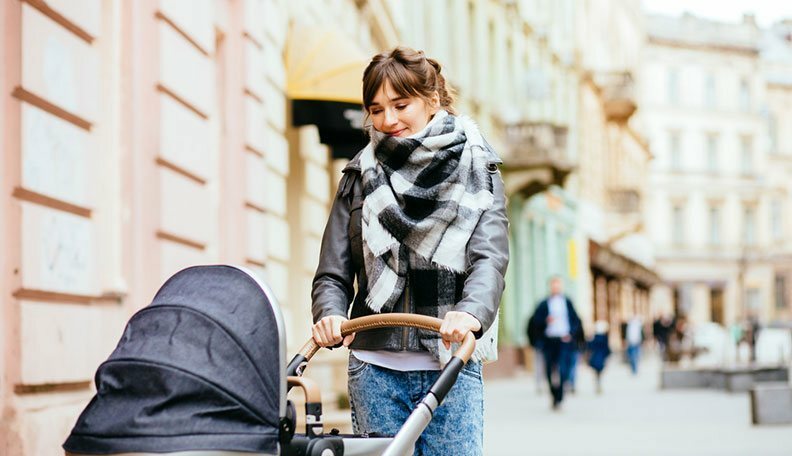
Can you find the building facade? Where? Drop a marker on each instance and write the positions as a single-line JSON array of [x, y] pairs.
[[614, 162], [142, 137], [776, 55], [139, 138], [713, 194]]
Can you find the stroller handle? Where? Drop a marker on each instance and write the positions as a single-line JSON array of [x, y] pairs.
[[368, 322], [405, 439]]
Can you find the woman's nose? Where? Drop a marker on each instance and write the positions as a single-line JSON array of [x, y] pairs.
[[390, 117]]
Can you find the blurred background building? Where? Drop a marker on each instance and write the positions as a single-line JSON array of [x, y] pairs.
[[720, 180], [645, 161]]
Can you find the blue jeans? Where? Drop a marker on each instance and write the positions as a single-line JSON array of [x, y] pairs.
[[557, 360], [633, 354], [382, 399], [571, 358]]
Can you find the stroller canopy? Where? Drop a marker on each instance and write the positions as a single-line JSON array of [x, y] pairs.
[[201, 368]]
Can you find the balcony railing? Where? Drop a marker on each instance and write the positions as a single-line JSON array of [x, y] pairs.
[[534, 156], [618, 94], [624, 201], [535, 144]]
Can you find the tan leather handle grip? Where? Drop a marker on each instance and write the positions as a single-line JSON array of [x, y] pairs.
[[464, 352], [311, 389]]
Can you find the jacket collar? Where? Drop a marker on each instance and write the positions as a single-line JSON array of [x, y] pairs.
[[353, 165]]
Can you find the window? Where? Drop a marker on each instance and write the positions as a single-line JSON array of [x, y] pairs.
[[716, 305], [715, 224], [673, 86], [752, 298], [709, 91], [776, 220], [746, 154], [678, 224], [772, 132], [780, 292], [749, 225], [745, 95], [712, 153], [675, 149]]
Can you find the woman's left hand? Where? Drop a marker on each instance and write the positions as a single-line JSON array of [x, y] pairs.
[[456, 325]]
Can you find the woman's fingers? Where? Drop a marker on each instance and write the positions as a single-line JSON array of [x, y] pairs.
[[327, 331], [318, 335], [456, 325]]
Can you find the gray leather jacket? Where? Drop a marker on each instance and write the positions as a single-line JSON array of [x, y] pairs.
[[341, 262]]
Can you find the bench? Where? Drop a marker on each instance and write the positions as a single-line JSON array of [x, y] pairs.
[[732, 379], [771, 403]]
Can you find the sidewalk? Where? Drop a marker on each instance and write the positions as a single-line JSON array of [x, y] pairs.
[[632, 417]]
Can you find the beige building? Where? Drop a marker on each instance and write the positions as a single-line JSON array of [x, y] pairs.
[[141, 137], [704, 104], [614, 164], [776, 55]]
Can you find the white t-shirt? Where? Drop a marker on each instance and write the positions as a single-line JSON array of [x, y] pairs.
[[403, 361], [634, 331], [557, 308]]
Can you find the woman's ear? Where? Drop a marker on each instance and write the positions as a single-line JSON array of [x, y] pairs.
[[434, 102]]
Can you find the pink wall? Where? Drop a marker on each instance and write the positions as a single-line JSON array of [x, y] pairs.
[[126, 147]]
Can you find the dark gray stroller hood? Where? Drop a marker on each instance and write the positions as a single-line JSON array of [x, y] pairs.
[[201, 368]]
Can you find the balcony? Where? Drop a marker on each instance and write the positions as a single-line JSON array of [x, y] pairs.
[[535, 156], [624, 201], [618, 94]]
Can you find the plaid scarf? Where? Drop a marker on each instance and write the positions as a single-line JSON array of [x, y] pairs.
[[423, 197]]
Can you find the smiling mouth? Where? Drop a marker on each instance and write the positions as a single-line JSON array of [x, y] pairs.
[[397, 132]]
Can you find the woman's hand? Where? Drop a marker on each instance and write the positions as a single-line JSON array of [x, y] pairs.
[[327, 332], [456, 325]]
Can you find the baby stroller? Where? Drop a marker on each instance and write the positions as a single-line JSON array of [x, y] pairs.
[[202, 371]]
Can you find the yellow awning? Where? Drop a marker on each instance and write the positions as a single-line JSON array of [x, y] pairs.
[[323, 64]]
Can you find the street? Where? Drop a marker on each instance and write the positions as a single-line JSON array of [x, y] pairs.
[[631, 417]]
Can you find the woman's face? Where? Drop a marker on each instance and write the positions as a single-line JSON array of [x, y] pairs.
[[396, 115]]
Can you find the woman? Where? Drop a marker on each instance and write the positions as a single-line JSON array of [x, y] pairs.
[[599, 350], [419, 221]]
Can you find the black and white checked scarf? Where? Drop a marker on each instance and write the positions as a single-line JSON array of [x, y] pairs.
[[423, 196]]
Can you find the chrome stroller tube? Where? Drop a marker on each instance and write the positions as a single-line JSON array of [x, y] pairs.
[[404, 441]]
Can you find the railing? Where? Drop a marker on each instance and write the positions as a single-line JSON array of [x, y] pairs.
[[532, 144], [624, 201], [618, 94]]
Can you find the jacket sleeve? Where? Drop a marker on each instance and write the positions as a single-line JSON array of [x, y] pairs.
[[488, 257], [333, 284]]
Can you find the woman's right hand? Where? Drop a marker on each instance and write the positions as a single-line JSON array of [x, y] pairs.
[[327, 332]]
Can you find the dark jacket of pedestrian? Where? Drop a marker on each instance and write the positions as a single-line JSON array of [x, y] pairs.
[[598, 350], [537, 325]]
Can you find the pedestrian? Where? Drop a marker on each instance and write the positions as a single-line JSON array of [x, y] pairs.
[[555, 327], [679, 341], [661, 330], [598, 349], [634, 338], [419, 223], [539, 369], [753, 328], [572, 358]]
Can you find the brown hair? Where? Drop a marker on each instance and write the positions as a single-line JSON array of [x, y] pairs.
[[410, 73]]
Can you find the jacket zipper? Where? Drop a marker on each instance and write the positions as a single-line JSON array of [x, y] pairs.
[[406, 309]]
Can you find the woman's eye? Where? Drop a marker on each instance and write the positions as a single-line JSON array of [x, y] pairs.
[[376, 111], [400, 107]]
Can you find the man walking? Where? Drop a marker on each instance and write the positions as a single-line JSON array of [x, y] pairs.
[[554, 328], [634, 338]]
